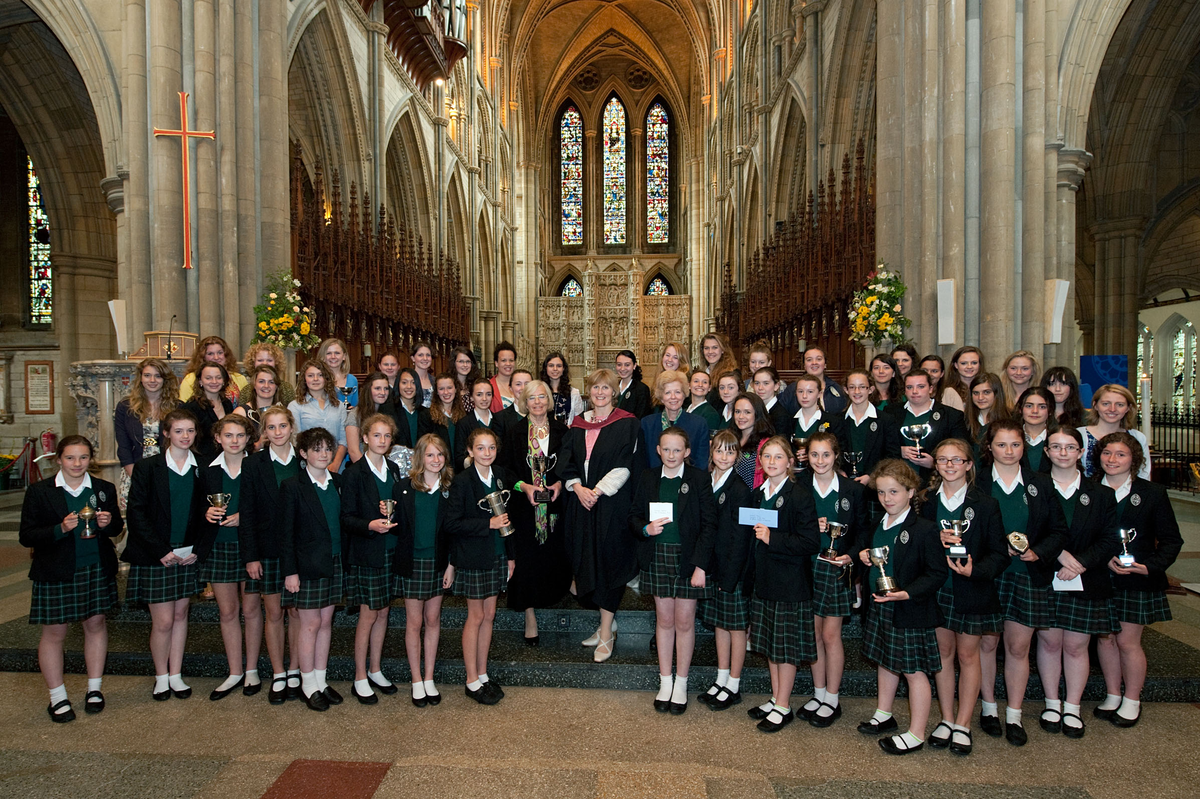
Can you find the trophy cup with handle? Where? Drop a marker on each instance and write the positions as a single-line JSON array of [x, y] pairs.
[[1128, 536], [879, 558], [916, 432], [86, 514], [345, 393], [388, 506], [540, 464], [836, 530], [219, 501], [853, 458], [957, 527], [497, 503]]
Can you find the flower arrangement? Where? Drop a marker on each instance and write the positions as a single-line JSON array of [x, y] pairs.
[[876, 311], [282, 318]]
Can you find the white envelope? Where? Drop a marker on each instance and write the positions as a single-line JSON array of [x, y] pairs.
[[1067, 585], [182, 552], [662, 510]]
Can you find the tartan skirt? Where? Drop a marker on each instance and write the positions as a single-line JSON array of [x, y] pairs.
[[1075, 614], [1023, 602], [900, 650], [157, 584], [89, 593], [832, 595], [224, 565], [272, 579], [482, 583], [662, 579], [368, 586], [426, 580], [317, 594], [783, 631], [966, 623], [728, 610], [1141, 607]]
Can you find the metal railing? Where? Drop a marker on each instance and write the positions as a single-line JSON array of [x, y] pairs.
[[1175, 447]]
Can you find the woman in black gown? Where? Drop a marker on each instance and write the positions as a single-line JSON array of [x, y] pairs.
[[543, 573]]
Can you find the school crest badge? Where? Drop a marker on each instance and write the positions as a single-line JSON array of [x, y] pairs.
[[874, 427], [103, 498], [445, 493], [904, 536], [1033, 491], [1135, 500], [779, 503], [683, 489], [1084, 499], [969, 514], [937, 415], [721, 501], [845, 503]]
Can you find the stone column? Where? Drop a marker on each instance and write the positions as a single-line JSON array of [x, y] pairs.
[[274, 200], [1033, 157], [236, 328], [925, 102], [889, 159], [166, 187], [114, 195], [593, 191], [635, 181], [136, 276], [1062, 353], [1071, 168], [207, 243], [954, 152], [246, 148], [998, 144]]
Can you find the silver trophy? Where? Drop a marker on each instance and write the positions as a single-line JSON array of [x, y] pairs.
[[879, 558], [916, 432], [254, 415], [402, 457], [1127, 536], [86, 514], [853, 458], [836, 530], [345, 393], [497, 503], [957, 527], [388, 506], [540, 465]]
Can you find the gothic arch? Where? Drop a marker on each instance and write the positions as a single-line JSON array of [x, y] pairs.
[[456, 217], [408, 179], [791, 144], [487, 273]]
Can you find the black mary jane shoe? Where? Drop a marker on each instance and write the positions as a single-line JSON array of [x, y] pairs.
[[421, 701], [386, 690], [161, 696], [278, 697], [1103, 713], [218, 695], [821, 722], [184, 694], [662, 705], [369, 699], [1120, 721], [1015, 734], [678, 708], [873, 727], [756, 713], [434, 698], [890, 746], [1051, 725], [317, 701], [937, 742], [803, 712], [708, 695], [482, 695], [93, 707], [1070, 731], [961, 748], [991, 725], [251, 690], [332, 696], [61, 718], [293, 691], [725, 699], [776, 721]]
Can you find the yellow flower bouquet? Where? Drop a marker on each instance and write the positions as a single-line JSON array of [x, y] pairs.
[[282, 318], [876, 310]]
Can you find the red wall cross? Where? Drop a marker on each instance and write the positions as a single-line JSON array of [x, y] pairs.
[[183, 133]]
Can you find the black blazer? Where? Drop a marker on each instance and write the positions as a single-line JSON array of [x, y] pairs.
[[406, 516], [425, 423], [854, 511], [635, 399], [919, 566], [260, 506], [781, 421], [1047, 528], [1093, 536], [206, 447], [505, 419], [462, 429], [149, 513], [945, 422], [695, 518], [782, 569], [45, 506], [985, 543], [1148, 510], [304, 547], [360, 507], [732, 542], [213, 483], [882, 441], [468, 524]]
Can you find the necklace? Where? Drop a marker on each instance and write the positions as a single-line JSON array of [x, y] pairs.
[[540, 429]]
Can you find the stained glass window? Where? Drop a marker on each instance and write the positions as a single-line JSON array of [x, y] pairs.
[[571, 288], [658, 152], [1183, 366], [614, 172], [41, 287], [571, 152], [658, 288]]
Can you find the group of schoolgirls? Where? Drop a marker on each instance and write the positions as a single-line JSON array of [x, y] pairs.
[[274, 532]]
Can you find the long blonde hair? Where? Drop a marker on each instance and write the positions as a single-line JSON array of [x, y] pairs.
[[168, 401], [344, 369], [417, 472]]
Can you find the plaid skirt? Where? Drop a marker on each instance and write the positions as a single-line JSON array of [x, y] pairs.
[[1141, 607], [426, 580], [317, 594], [482, 583], [662, 579], [224, 565], [832, 594], [1023, 602], [728, 610], [88, 594], [783, 631], [967, 623], [272, 579], [157, 584], [1075, 614], [899, 650], [368, 586]]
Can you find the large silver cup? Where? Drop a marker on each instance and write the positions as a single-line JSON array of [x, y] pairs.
[[402, 457], [497, 502], [389, 509], [836, 530], [879, 558], [853, 458], [1127, 536], [345, 392], [957, 527], [540, 465], [86, 514], [916, 432]]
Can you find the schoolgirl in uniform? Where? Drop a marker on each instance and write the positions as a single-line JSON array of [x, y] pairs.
[[1063, 385], [676, 555], [480, 556], [1027, 506], [74, 577], [727, 611], [968, 599], [986, 405], [372, 538], [864, 432], [412, 418], [311, 554], [899, 632], [221, 560], [166, 516], [632, 395], [810, 419], [765, 383], [260, 531], [1036, 407], [842, 501], [264, 392], [723, 395], [781, 611], [1139, 591], [446, 410], [479, 416], [753, 429], [422, 559], [1091, 514]]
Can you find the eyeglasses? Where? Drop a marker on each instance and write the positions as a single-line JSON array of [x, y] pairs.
[[954, 461], [1068, 448]]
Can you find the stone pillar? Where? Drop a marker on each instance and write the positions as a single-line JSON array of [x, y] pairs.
[[954, 153], [136, 276], [1116, 286], [274, 201], [114, 195], [634, 180], [247, 144], [889, 159], [207, 243], [236, 328], [1033, 162], [166, 186], [593, 191], [998, 109], [1071, 168]]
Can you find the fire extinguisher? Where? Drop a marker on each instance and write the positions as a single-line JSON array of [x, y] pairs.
[[49, 443]]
